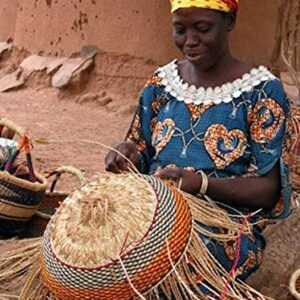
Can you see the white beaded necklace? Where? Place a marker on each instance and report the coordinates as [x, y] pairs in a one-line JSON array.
[[182, 91]]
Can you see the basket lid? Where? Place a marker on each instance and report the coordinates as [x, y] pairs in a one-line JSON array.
[[115, 230]]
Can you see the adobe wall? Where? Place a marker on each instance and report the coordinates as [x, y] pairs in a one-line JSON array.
[[134, 27], [8, 18], [139, 28], [254, 37]]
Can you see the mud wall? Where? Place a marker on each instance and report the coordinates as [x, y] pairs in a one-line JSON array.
[[8, 18], [255, 35], [139, 28], [133, 27]]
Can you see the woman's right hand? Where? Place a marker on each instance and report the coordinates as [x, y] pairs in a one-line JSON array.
[[115, 163]]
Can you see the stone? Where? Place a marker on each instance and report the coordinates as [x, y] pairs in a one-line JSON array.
[[4, 46], [63, 76], [39, 63], [11, 81]]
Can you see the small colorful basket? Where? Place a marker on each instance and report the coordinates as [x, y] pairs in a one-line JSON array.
[[123, 237], [51, 201], [21, 189]]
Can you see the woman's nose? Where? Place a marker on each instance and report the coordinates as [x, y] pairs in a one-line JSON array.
[[192, 39]]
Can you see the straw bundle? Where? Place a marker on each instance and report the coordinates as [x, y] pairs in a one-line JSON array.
[[127, 236]]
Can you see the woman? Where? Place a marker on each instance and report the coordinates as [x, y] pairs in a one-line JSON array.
[[215, 125]]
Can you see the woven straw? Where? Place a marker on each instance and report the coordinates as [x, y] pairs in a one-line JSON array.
[[51, 201], [19, 197], [126, 237]]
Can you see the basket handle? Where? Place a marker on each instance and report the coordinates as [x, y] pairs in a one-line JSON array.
[[12, 126], [24, 143], [292, 284], [69, 170]]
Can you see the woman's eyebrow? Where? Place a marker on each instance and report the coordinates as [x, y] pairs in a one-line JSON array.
[[177, 23], [206, 22]]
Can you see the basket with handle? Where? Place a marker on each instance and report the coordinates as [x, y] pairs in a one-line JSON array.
[[51, 202], [21, 189]]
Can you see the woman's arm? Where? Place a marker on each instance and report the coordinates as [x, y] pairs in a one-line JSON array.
[[252, 193]]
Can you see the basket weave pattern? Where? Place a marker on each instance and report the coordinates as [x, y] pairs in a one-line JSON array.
[[20, 193], [17, 203], [146, 264], [50, 202]]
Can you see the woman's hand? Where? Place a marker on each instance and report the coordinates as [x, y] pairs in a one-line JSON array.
[[115, 163], [185, 180]]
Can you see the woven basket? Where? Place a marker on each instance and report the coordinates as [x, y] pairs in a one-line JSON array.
[[21, 190], [51, 201], [114, 235]]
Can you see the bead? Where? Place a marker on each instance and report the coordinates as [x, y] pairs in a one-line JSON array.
[[182, 91]]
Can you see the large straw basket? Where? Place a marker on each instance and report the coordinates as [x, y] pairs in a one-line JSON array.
[[21, 190], [51, 201], [100, 239]]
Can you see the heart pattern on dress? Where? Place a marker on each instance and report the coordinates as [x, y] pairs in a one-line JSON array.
[[224, 146], [162, 134]]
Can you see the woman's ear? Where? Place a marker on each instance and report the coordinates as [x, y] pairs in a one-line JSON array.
[[231, 20]]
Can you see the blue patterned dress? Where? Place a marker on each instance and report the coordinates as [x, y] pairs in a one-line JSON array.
[[237, 130]]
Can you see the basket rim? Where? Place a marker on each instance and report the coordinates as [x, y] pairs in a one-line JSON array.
[[34, 186]]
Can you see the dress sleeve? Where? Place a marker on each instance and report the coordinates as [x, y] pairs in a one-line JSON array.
[[141, 129], [270, 140]]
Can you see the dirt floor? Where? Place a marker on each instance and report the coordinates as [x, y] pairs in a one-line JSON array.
[[66, 122]]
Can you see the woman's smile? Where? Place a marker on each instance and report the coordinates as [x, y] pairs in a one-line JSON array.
[[193, 55]]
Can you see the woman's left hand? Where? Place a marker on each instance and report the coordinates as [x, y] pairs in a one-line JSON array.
[[185, 180]]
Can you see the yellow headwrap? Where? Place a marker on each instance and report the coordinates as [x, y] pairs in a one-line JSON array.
[[223, 5]]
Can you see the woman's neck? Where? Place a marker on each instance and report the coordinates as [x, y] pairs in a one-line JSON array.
[[226, 69]]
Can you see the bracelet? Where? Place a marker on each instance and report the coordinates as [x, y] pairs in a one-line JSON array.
[[204, 184]]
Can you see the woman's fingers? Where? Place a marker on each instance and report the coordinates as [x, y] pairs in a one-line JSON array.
[[110, 164], [117, 161], [169, 173], [121, 162], [113, 167]]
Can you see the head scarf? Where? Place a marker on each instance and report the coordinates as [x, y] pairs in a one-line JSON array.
[[222, 5]]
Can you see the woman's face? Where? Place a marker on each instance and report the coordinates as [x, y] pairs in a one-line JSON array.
[[201, 35]]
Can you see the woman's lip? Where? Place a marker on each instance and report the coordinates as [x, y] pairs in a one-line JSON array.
[[194, 56]]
